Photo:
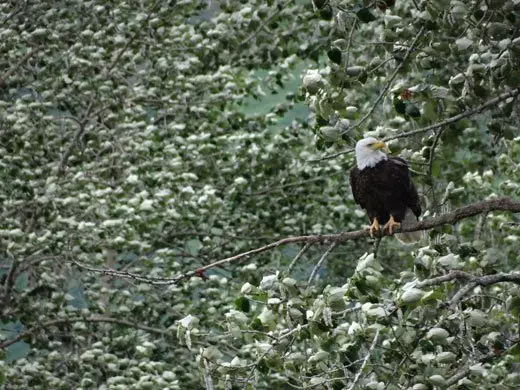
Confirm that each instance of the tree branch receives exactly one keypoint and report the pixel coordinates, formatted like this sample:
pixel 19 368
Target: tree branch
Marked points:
pixel 489 104
pixel 297 257
pixel 472 282
pixel 389 82
pixel 18 65
pixel 264 23
pixel 491 356
pixel 485 106
pixel 320 263
pixel 365 361
pixel 94 319
pixel 495 204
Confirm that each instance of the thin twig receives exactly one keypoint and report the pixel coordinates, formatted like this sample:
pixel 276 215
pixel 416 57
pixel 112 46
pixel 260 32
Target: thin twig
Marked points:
pixel 9 280
pixel 430 167
pixel 489 357
pixel 297 257
pixel 349 43
pixel 320 263
pixel 346 311
pixel 284 186
pixel 485 106
pixel 480 227
pixel 208 381
pixel 472 282
pixel 389 82
pixel 94 319
pixel 375 248
pixel 18 65
pixel 489 104
pixel 264 23
pixel 132 38
pixel 365 361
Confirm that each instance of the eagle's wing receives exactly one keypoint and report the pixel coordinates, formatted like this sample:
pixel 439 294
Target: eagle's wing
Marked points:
pixel 405 176
pixel 354 174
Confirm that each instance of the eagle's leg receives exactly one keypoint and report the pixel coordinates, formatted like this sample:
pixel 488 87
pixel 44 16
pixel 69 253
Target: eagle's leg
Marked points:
pixel 374 228
pixel 390 225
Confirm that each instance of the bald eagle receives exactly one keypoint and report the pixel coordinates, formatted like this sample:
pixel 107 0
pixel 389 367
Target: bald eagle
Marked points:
pixel 382 185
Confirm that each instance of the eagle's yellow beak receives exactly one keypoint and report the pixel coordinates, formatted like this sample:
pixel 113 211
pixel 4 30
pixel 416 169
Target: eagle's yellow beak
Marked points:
pixel 378 145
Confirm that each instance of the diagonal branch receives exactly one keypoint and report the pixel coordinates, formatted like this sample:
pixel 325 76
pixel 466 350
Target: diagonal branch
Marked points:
pixel 297 257
pixel 265 22
pixel 320 263
pixel 495 204
pixel 477 110
pixel 365 361
pixel 389 82
pixel 472 282
pixel 485 106
pixel 18 65
pixel 487 358
pixel 93 319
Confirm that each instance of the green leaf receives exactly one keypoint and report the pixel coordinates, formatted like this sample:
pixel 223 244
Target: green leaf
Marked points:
pixel 400 106
pixel 326 13
pixel 256 324
pixel 515 306
pixel 436 168
pixel 430 110
pixel 334 55
pixel 262 366
pixel 193 247
pixel 261 296
pixel 243 304
pixel 22 282
pixel 365 15
pixel 412 110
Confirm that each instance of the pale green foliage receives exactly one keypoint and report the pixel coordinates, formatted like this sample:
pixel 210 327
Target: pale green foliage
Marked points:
pixel 126 142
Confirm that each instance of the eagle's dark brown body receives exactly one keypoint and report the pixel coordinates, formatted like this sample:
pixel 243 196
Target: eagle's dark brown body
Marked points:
pixel 385 189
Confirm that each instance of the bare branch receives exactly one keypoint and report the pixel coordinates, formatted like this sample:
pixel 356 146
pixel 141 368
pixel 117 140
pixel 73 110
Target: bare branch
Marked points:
pixel 365 361
pixel 320 263
pixel 94 319
pixel 502 204
pixel 513 277
pixel 264 23
pixel 18 65
pixel 483 107
pixel 389 82
pixel 65 158
pixel 489 357
pixel 349 43
pixel 9 280
pixel 297 257
pixel 472 282
pixel 207 376
pixel 489 104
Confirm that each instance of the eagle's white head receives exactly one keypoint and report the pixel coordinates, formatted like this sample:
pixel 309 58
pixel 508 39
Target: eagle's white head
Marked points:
pixel 368 152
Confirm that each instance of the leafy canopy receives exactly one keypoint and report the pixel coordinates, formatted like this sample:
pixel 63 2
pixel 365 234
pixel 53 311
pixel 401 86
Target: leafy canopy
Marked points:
pixel 156 137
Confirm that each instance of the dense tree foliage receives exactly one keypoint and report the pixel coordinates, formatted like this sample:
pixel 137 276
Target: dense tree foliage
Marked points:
pixel 143 141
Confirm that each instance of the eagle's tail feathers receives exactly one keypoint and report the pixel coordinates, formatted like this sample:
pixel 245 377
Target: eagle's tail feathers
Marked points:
pixel 409 237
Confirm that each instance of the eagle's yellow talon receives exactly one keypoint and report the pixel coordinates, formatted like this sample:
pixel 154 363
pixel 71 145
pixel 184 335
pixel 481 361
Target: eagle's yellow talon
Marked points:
pixel 374 228
pixel 390 225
